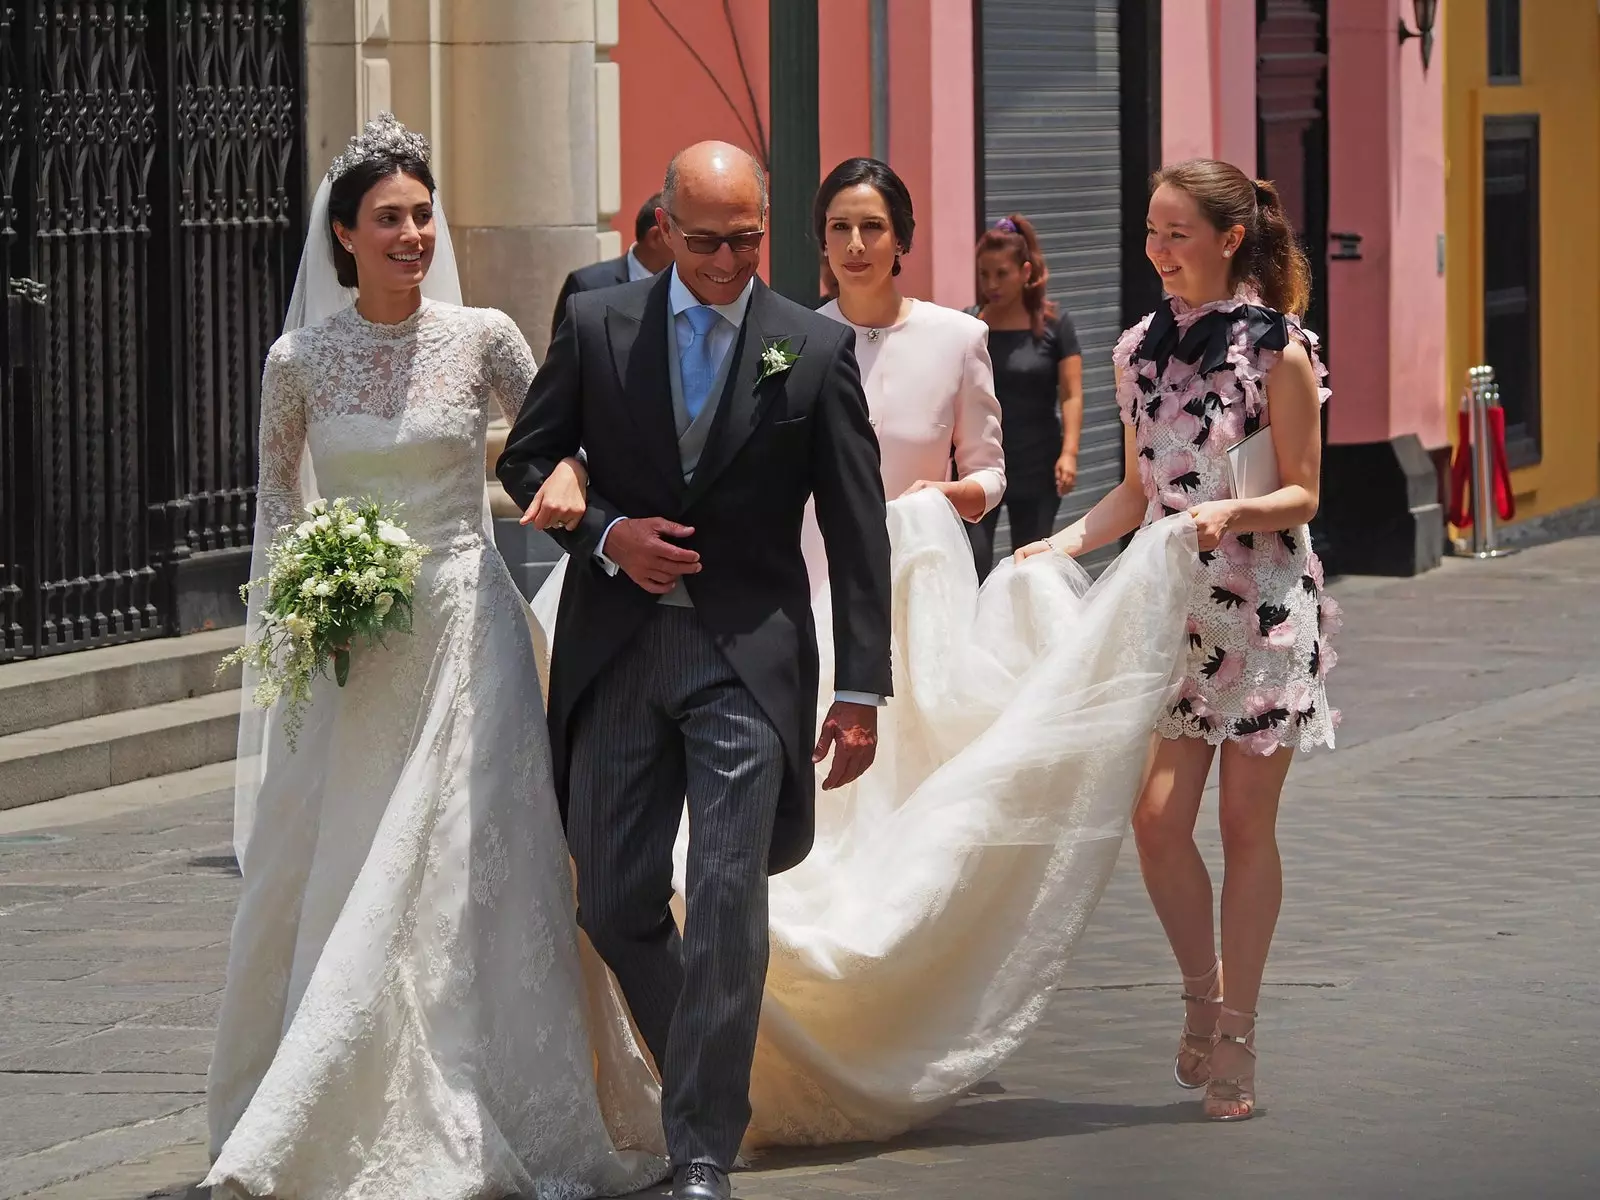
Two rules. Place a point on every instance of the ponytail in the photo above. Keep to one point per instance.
(1016, 234)
(1277, 265)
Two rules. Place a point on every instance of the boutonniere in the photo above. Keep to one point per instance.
(776, 358)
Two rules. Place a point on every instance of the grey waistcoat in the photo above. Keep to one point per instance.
(692, 435)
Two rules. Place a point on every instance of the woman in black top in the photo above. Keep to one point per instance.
(1038, 376)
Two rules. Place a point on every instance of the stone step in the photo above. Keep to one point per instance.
(117, 747)
(124, 798)
(39, 693)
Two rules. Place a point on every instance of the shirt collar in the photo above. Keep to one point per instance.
(636, 269)
(681, 298)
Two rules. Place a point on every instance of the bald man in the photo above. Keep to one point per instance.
(685, 660)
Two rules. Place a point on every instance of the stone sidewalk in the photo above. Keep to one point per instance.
(1431, 1024)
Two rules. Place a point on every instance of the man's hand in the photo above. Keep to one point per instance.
(851, 731)
(642, 553)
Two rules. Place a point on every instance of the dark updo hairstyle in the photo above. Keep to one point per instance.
(1269, 258)
(879, 176)
(350, 189)
(1015, 233)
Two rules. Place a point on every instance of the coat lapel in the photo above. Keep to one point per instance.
(639, 355)
(744, 399)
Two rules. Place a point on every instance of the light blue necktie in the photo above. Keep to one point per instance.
(696, 367)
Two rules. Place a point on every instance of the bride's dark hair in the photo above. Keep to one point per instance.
(348, 191)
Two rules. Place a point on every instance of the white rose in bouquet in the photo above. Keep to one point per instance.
(330, 582)
(392, 534)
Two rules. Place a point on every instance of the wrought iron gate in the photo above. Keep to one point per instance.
(151, 187)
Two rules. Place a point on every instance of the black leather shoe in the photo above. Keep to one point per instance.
(701, 1181)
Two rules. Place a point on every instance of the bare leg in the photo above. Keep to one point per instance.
(1252, 891)
(1179, 885)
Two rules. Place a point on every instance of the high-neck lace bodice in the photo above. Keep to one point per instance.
(393, 412)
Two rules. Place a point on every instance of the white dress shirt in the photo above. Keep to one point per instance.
(636, 269)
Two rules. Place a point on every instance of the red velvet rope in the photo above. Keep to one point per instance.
(1461, 473)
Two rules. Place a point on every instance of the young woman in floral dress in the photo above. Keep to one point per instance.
(1223, 356)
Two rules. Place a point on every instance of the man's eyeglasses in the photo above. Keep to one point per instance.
(710, 243)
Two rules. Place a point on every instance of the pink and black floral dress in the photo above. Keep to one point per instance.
(1192, 383)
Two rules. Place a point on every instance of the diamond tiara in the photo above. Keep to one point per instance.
(384, 139)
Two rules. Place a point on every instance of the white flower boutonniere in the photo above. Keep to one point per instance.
(776, 358)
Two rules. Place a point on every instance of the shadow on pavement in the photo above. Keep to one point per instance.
(992, 1122)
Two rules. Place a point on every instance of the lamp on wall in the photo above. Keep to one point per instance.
(1426, 13)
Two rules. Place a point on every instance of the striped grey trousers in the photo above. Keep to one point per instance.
(669, 719)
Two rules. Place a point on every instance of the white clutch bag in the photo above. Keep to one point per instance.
(1253, 464)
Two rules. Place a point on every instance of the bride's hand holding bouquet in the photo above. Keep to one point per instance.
(344, 572)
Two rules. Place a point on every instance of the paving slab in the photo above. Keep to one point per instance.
(1430, 1023)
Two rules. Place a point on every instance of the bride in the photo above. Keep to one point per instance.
(406, 1012)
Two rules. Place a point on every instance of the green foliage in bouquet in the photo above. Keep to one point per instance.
(346, 572)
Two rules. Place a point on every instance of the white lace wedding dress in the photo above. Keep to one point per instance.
(408, 1012)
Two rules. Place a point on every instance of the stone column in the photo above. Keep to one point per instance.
(364, 57)
(522, 106)
(532, 124)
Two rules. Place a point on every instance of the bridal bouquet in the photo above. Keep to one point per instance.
(346, 571)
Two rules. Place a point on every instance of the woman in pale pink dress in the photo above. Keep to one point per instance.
(926, 369)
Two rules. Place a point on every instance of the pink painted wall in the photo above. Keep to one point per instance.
(931, 143)
(668, 102)
(1419, 393)
(1208, 81)
(1386, 181)
(911, 129)
(1361, 80)
(844, 67)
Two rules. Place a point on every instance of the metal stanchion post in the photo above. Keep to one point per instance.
(1483, 393)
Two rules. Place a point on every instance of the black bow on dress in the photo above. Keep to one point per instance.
(1205, 344)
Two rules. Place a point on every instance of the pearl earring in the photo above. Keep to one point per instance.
(1225, 253)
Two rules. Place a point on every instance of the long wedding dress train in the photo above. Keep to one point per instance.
(917, 946)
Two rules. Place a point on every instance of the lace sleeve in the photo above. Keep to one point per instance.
(510, 364)
(283, 437)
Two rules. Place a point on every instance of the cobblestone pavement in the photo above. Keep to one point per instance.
(1431, 1024)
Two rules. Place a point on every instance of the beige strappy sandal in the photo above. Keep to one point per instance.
(1196, 1047)
(1239, 1091)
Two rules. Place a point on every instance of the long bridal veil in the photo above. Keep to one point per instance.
(917, 946)
(317, 295)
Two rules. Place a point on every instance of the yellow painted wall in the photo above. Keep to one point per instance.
(1561, 83)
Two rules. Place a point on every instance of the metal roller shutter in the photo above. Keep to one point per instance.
(1051, 150)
